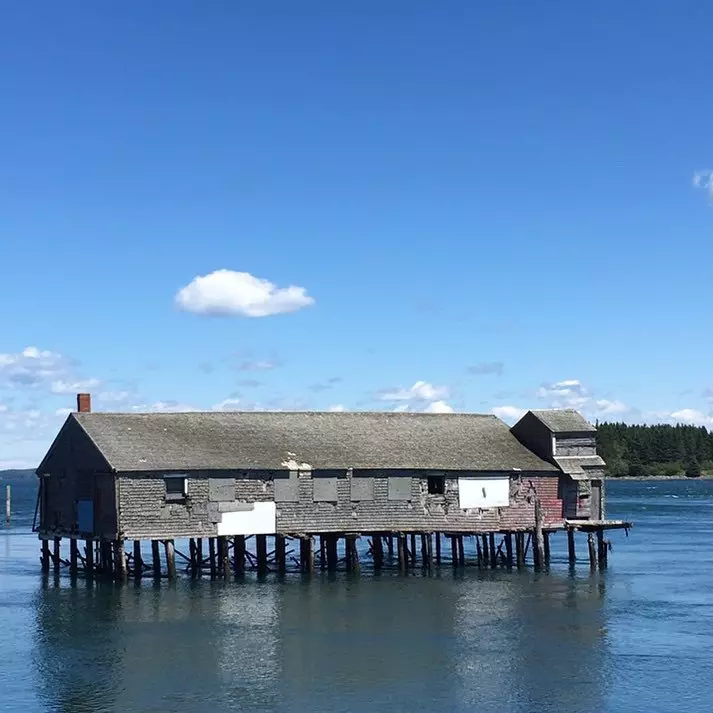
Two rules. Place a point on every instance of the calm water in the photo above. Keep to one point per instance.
(637, 638)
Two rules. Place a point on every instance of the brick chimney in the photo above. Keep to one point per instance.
(84, 403)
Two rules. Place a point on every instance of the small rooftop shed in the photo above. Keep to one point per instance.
(112, 477)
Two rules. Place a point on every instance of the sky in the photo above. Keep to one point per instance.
(410, 205)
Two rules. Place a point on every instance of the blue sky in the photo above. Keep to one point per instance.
(478, 206)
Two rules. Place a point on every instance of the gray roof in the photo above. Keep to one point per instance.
(271, 440)
(563, 420)
(576, 466)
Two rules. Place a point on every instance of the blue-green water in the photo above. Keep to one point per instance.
(638, 637)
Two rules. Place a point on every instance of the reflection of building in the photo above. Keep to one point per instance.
(116, 476)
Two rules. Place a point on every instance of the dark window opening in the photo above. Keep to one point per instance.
(175, 488)
(436, 484)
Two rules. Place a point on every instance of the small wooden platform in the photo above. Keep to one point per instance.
(594, 525)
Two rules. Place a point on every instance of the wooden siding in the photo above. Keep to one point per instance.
(576, 445)
(144, 513)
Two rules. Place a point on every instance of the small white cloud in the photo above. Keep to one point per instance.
(703, 180)
(438, 407)
(510, 414)
(691, 416)
(420, 391)
(229, 404)
(337, 408)
(230, 293)
(163, 407)
(604, 407)
(402, 408)
(31, 367)
(73, 387)
(114, 396)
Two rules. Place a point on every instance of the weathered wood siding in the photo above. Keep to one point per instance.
(367, 505)
(571, 445)
(533, 434)
(74, 471)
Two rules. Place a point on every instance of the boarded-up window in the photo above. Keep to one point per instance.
(176, 488)
(287, 487)
(487, 492)
(399, 488)
(362, 487)
(221, 489)
(325, 489)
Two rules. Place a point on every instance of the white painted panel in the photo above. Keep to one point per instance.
(486, 492)
(258, 520)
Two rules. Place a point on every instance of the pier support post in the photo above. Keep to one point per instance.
(156, 558)
(539, 550)
(261, 551)
(193, 557)
(508, 550)
(323, 552)
(331, 552)
(570, 547)
(89, 557)
(461, 551)
(602, 549)
(478, 551)
(437, 537)
(486, 550)
(120, 559)
(377, 550)
(138, 562)
(413, 550)
(493, 551)
(170, 559)
(199, 556)
(211, 556)
(454, 550)
(56, 554)
(401, 546)
(426, 551)
(73, 555)
(280, 554)
(225, 557)
(546, 536)
(239, 554)
(592, 551)
(390, 545)
(352, 554)
(520, 549)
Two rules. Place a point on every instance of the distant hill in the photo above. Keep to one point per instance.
(17, 473)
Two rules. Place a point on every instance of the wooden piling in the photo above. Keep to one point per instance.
(280, 554)
(602, 549)
(570, 547)
(261, 551)
(592, 551)
(520, 549)
(73, 555)
(390, 545)
(486, 550)
(478, 551)
(454, 550)
(120, 559)
(323, 551)
(156, 558)
(401, 546)
(508, 549)
(426, 551)
(239, 554)
(88, 557)
(438, 548)
(170, 559)
(56, 555)
(199, 556)
(461, 551)
(7, 503)
(493, 551)
(225, 557)
(352, 554)
(413, 550)
(211, 556)
(539, 549)
(546, 536)
(193, 557)
(138, 561)
(331, 552)
(377, 551)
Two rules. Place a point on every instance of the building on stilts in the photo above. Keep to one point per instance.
(271, 491)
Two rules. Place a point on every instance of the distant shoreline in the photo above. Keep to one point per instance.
(707, 476)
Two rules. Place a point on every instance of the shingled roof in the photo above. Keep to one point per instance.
(274, 440)
(563, 420)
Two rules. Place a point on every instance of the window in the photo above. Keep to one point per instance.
(176, 488)
(436, 484)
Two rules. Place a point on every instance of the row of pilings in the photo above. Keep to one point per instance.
(223, 557)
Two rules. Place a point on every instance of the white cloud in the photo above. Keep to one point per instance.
(31, 367)
(114, 396)
(402, 408)
(438, 407)
(604, 407)
(691, 416)
(704, 181)
(337, 408)
(510, 414)
(230, 293)
(569, 393)
(229, 404)
(420, 391)
(73, 387)
(163, 407)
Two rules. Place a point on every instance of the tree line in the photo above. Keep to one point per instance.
(655, 450)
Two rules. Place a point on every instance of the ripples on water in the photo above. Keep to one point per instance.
(637, 638)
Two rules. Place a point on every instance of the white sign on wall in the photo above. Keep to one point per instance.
(258, 520)
(484, 492)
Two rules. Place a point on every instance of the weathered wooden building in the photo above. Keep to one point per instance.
(113, 477)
